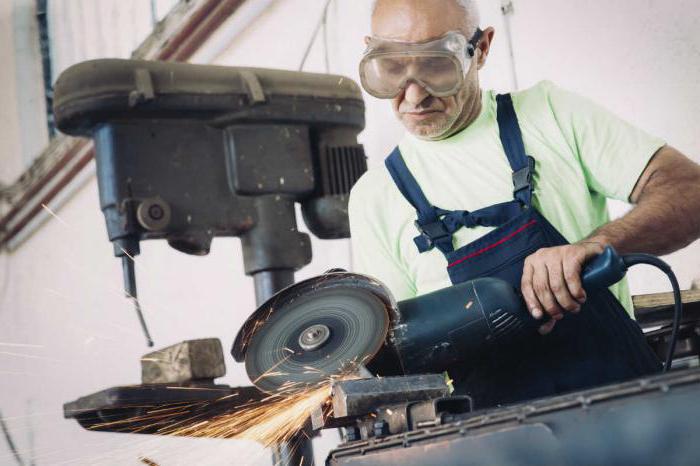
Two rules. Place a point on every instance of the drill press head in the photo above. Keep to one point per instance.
(189, 152)
(183, 150)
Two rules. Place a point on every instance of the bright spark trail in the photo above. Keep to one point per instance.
(268, 422)
(275, 419)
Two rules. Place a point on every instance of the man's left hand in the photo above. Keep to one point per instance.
(551, 282)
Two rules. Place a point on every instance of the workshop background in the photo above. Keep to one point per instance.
(66, 329)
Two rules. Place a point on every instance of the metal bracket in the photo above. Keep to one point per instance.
(255, 90)
(361, 397)
(144, 88)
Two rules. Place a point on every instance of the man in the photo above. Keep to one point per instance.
(512, 187)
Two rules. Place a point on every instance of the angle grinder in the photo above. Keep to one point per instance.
(327, 325)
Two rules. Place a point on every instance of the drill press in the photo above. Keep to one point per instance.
(187, 153)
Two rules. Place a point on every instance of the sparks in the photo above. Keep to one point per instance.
(20, 345)
(271, 421)
(274, 419)
(54, 215)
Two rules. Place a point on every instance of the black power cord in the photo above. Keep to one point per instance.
(634, 259)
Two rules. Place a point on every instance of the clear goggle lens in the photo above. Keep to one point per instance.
(384, 76)
(438, 65)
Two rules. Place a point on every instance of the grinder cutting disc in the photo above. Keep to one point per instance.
(313, 330)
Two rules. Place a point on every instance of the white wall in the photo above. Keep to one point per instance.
(79, 30)
(61, 290)
(86, 29)
(23, 131)
(9, 124)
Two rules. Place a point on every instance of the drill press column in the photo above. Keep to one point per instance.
(274, 249)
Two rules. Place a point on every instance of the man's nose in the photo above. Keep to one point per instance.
(415, 93)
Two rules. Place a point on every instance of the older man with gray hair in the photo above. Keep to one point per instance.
(512, 186)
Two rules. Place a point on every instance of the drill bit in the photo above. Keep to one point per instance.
(130, 290)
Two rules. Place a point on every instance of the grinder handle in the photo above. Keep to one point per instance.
(603, 270)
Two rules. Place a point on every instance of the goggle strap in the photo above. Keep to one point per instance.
(474, 41)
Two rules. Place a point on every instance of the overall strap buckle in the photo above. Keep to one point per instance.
(522, 182)
(431, 235)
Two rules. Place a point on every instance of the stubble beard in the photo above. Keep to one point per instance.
(432, 128)
(443, 125)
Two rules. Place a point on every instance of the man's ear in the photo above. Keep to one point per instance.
(367, 39)
(484, 46)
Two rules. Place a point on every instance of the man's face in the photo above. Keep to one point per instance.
(422, 114)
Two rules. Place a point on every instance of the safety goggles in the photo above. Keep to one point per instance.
(438, 65)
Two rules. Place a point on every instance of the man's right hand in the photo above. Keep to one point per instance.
(551, 281)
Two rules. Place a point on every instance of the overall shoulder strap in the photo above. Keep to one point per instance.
(433, 231)
(523, 165)
(408, 186)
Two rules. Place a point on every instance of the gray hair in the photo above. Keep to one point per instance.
(471, 13)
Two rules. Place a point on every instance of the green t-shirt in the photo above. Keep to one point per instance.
(584, 155)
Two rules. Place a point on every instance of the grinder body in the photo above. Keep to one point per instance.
(427, 334)
(450, 326)
(457, 324)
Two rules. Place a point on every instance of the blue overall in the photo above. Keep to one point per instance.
(599, 345)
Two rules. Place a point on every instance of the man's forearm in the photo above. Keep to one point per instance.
(666, 216)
